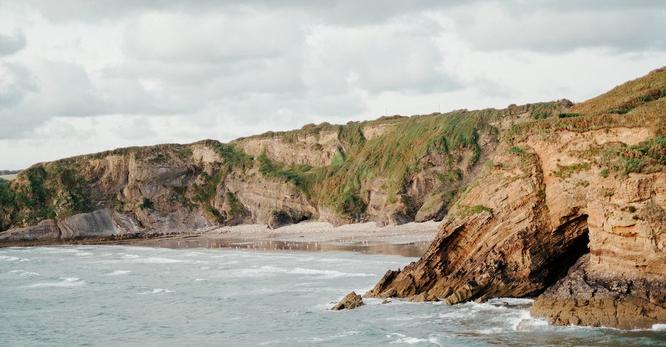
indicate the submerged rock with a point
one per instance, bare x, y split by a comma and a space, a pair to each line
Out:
349, 302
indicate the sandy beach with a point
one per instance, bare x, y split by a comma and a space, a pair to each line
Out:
409, 239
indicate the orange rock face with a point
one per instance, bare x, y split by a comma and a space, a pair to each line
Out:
557, 216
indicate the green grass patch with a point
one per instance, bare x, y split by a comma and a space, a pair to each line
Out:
466, 211
232, 156
645, 157
566, 171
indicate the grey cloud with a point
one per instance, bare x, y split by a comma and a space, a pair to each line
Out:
10, 44
17, 83
341, 12
568, 26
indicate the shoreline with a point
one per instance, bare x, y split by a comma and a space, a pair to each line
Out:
411, 239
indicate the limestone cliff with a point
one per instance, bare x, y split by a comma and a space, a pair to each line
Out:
585, 188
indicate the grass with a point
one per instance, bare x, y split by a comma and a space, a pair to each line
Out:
391, 158
236, 208
294, 174
516, 150
543, 110
206, 191
395, 155
53, 190
568, 115
645, 157
566, 171
464, 211
628, 96
232, 156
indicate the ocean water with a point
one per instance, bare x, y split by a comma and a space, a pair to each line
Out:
134, 296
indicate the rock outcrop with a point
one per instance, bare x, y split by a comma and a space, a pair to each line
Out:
558, 201
349, 302
585, 188
392, 170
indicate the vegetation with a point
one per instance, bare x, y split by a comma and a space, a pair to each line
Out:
628, 96
206, 191
146, 204
295, 174
232, 156
516, 150
236, 208
569, 115
466, 211
395, 155
645, 157
566, 171
543, 110
44, 191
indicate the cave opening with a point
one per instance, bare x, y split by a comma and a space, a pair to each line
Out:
578, 245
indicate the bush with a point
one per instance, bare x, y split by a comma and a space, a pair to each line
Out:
146, 204
516, 150
568, 115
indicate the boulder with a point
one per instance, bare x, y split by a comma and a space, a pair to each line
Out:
349, 302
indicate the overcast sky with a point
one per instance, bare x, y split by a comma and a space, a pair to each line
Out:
79, 76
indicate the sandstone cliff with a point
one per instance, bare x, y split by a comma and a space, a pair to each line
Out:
392, 170
587, 188
561, 202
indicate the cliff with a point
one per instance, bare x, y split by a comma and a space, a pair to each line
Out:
392, 170
569, 210
557, 201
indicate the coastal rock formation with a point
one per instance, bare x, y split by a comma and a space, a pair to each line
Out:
558, 201
349, 302
392, 170
587, 188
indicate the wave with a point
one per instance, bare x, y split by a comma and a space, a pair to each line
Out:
10, 258
24, 273
66, 282
409, 340
157, 291
119, 273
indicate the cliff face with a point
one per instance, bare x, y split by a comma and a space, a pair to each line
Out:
392, 170
587, 189
561, 202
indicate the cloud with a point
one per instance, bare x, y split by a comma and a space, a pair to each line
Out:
529, 26
131, 72
10, 44
396, 56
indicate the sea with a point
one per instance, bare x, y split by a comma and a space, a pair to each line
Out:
143, 296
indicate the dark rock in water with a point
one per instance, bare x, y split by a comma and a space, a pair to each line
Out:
349, 302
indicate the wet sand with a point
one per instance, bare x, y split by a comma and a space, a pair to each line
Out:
410, 239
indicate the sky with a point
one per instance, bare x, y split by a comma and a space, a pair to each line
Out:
79, 76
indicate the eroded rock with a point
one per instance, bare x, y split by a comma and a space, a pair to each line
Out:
349, 302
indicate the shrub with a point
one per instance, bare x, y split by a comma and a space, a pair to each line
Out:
568, 115
146, 204
604, 172
516, 150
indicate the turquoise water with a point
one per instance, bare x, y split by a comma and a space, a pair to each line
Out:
116, 295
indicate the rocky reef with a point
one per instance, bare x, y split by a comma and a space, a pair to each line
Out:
569, 210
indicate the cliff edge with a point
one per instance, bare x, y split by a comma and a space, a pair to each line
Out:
569, 210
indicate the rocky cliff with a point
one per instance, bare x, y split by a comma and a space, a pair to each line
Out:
558, 201
391, 170
568, 209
